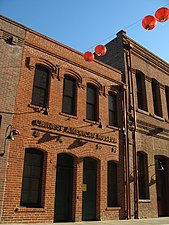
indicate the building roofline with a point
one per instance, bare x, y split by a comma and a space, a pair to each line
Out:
54, 41
144, 52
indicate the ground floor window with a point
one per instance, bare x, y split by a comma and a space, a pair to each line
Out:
143, 180
112, 184
32, 178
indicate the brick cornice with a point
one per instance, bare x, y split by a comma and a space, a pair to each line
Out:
148, 56
66, 60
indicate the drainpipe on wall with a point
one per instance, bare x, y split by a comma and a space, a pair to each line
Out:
131, 113
126, 152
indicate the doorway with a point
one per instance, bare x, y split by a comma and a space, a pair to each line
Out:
64, 188
89, 189
162, 185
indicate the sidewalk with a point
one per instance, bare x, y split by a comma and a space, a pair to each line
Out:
153, 221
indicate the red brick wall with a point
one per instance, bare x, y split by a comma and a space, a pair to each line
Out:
152, 67
39, 49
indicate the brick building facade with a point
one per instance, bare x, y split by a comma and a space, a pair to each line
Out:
147, 97
75, 131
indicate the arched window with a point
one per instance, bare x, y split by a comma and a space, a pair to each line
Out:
143, 181
69, 95
112, 109
92, 103
141, 91
156, 98
40, 86
167, 98
32, 178
112, 185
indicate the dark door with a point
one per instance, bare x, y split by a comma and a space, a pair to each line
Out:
162, 184
89, 189
64, 188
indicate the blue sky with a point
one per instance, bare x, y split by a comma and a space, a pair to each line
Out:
83, 24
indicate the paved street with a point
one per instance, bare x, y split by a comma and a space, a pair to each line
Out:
154, 221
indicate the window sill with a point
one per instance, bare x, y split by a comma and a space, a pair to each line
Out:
36, 108
113, 127
144, 200
143, 111
68, 115
157, 117
26, 209
115, 208
92, 122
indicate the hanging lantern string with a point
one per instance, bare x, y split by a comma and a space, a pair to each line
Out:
127, 28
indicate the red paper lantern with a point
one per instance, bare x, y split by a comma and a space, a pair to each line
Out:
88, 56
162, 14
149, 22
100, 50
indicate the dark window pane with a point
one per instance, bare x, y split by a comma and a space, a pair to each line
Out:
141, 91
90, 112
35, 185
0, 120
167, 98
156, 98
38, 97
143, 176
26, 184
69, 95
27, 171
112, 109
91, 95
40, 86
69, 87
67, 105
112, 118
91, 103
112, 184
41, 78
32, 178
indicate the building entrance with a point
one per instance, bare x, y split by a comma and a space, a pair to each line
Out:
162, 185
89, 189
64, 188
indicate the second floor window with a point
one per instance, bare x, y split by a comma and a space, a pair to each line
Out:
156, 98
141, 91
40, 86
167, 98
112, 109
92, 103
69, 95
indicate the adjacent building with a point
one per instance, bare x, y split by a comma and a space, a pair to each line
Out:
81, 141
147, 144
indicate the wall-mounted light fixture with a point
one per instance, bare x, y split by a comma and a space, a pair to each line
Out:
59, 139
46, 111
9, 136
